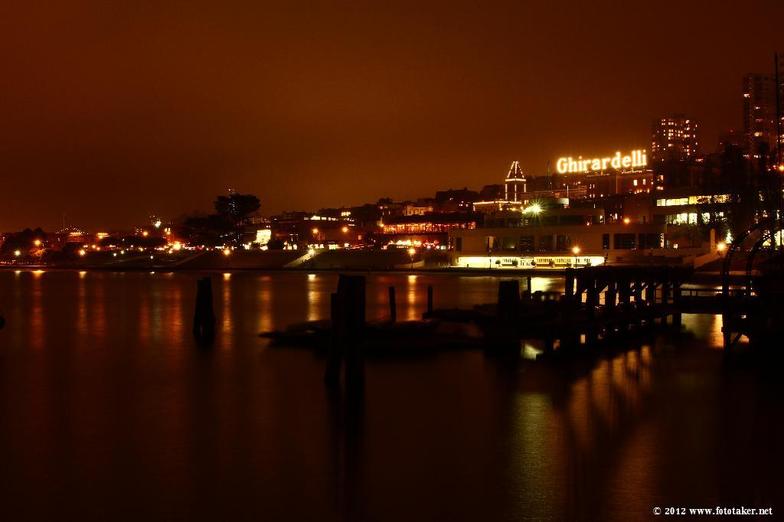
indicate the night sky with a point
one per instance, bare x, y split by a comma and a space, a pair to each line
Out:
112, 112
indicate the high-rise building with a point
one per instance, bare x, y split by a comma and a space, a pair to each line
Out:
674, 138
759, 114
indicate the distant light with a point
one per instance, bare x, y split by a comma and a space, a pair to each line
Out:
82, 252
226, 276
344, 229
176, 245
721, 246
37, 242
17, 253
226, 252
576, 250
145, 233
534, 208
157, 223
315, 231
411, 251
781, 167
626, 221
311, 277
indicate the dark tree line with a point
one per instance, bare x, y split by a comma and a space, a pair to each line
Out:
225, 225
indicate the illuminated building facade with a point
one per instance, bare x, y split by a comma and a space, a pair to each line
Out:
759, 114
431, 229
674, 138
556, 246
514, 195
515, 184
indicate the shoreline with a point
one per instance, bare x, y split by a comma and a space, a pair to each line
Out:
698, 277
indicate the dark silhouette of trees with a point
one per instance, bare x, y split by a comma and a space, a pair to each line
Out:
232, 212
22, 240
236, 209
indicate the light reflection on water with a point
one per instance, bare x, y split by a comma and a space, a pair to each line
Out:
102, 384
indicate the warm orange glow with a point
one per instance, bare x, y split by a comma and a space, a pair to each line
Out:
315, 231
145, 233
17, 253
411, 251
576, 250
344, 229
227, 252
37, 242
721, 246
82, 252
626, 221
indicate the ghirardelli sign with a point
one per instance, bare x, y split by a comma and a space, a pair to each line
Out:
636, 159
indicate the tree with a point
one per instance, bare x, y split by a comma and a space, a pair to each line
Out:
236, 209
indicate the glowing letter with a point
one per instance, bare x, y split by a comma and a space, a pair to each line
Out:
560, 165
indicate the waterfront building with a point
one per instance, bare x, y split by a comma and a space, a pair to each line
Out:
557, 245
674, 138
428, 230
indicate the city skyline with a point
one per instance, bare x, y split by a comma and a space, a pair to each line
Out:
119, 114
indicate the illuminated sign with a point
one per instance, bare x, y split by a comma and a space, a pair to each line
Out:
568, 165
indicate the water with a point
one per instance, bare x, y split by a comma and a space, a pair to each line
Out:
109, 411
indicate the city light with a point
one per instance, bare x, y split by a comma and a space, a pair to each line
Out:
37, 242
576, 250
344, 229
82, 252
626, 221
721, 246
145, 233
534, 208
412, 251
17, 253
315, 231
226, 252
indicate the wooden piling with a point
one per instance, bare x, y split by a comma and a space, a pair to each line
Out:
348, 324
204, 314
569, 283
335, 351
508, 300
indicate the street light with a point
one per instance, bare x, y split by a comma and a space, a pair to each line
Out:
576, 250
721, 247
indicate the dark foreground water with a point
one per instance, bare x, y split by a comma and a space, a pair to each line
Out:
109, 411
